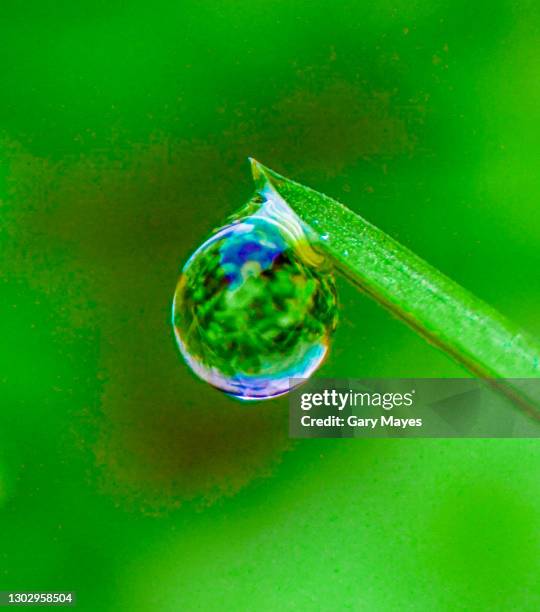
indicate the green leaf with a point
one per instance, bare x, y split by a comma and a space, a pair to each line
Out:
434, 306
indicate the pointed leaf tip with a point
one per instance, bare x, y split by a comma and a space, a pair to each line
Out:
256, 168
259, 172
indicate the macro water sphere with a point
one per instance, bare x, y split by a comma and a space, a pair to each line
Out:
256, 304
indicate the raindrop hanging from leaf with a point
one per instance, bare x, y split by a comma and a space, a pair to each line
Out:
255, 305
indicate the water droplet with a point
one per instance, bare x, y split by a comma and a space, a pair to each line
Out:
255, 305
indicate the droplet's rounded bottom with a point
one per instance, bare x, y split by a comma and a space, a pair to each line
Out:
257, 387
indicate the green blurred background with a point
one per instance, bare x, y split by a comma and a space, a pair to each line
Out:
125, 128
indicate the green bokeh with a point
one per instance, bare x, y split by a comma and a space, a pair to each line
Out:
125, 129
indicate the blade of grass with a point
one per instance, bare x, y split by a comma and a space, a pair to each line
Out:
443, 312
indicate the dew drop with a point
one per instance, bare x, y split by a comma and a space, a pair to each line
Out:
255, 304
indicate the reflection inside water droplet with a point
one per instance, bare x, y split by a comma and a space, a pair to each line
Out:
256, 304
